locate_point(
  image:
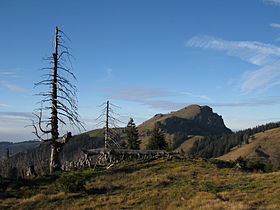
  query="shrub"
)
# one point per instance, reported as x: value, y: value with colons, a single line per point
x: 3, y: 186
x: 259, y: 165
x: 222, y: 163
x: 71, y: 182
x: 255, y: 164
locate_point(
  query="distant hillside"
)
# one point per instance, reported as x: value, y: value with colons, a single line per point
x: 39, y: 156
x: 193, y: 120
x: 187, y: 145
x: 17, y: 147
x: 264, y: 145
x: 215, y: 146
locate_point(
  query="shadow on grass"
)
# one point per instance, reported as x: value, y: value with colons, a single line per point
x: 5, y: 195
x: 164, y: 184
x: 43, y: 180
x: 24, y: 188
x: 132, y: 168
x: 103, y: 190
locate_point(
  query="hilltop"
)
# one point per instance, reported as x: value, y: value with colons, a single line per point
x: 179, y: 126
x: 264, y: 145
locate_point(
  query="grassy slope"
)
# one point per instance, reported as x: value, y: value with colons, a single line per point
x: 96, y: 133
x: 187, y: 145
x: 188, y: 113
x: 160, y: 184
x: 267, y: 142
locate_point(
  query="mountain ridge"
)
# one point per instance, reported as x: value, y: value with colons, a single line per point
x: 190, y: 120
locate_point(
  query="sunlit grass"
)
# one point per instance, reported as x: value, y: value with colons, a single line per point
x: 160, y: 184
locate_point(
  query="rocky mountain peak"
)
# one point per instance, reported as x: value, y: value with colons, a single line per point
x: 192, y: 120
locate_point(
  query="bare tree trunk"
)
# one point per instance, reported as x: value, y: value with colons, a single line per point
x: 107, y: 126
x: 54, y: 165
x: 60, y: 99
x: 54, y: 160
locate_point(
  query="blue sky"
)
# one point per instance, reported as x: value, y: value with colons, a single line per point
x: 146, y: 56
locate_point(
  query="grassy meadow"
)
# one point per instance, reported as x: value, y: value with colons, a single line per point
x: 158, y: 184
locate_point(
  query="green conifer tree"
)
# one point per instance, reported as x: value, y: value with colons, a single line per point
x: 132, y: 136
x: 157, y: 140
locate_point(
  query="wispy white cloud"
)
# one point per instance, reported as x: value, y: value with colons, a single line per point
x: 197, y: 96
x: 12, y: 126
x: 8, y: 73
x: 109, y: 73
x: 266, y: 56
x: 275, y: 25
x: 252, y: 102
x: 230, y: 81
x: 136, y: 94
x: 251, y: 51
x: 274, y: 2
x: 164, y: 104
x: 154, y: 98
x: 157, y: 98
x: 26, y: 115
x: 169, y: 105
x: 12, y: 86
x: 140, y: 94
x: 261, y: 79
x: 4, y: 105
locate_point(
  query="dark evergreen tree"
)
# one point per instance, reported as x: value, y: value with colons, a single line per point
x: 132, y: 136
x: 214, y: 146
x: 157, y: 140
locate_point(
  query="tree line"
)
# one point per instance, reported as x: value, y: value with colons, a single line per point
x: 156, y: 141
x: 215, y: 146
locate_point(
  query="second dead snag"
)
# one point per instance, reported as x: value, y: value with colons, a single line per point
x: 112, y: 152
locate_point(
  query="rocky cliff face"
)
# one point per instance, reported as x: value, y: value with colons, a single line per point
x: 193, y: 120
x: 210, y: 123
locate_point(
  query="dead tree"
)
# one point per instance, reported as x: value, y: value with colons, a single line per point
x: 111, y: 129
x: 113, y: 156
x: 59, y: 101
x: 7, y: 153
x: 112, y: 152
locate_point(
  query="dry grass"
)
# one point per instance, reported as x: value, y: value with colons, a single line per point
x: 187, y: 145
x: 187, y: 113
x: 268, y: 142
x: 160, y: 184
